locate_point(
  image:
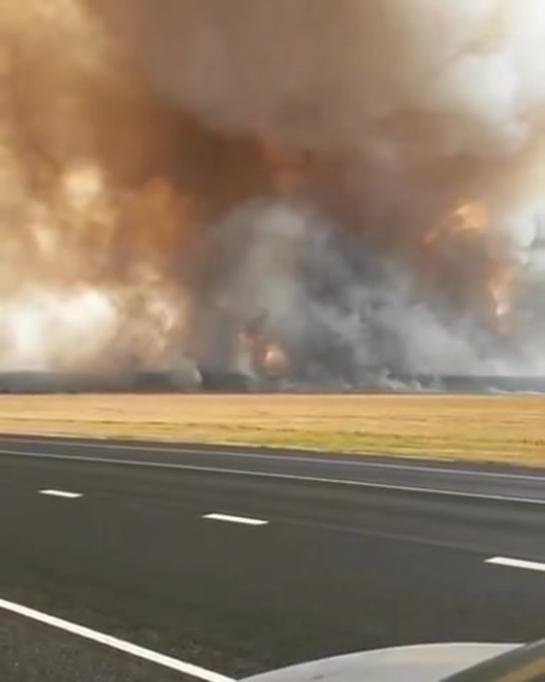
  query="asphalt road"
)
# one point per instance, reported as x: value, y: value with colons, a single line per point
x: 352, y: 554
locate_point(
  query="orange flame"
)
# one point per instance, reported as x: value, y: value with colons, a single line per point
x: 267, y: 357
x: 469, y: 216
x: 276, y: 360
x: 500, y: 287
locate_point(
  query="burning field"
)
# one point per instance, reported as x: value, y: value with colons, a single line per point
x: 304, y: 192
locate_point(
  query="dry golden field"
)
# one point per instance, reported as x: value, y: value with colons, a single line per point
x: 499, y: 428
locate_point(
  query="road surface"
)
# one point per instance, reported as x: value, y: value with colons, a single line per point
x: 244, y: 561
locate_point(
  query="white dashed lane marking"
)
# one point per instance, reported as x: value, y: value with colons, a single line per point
x: 61, y: 493
x: 236, y: 519
x: 516, y: 563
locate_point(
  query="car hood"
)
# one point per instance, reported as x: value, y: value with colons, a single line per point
x: 423, y: 663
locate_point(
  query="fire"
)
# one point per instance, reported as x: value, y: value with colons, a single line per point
x: 473, y: 217
x: 276, y: 360
x: 468, y: 216
x: 500, y: 287
x: 167, y: 175
x: 267, y: 358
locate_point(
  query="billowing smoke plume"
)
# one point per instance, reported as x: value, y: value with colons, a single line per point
x: 315, y: 190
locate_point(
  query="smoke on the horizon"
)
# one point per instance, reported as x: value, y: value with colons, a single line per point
x: 315, y: 190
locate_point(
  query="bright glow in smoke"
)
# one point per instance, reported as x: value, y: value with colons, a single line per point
x: 38, y: 323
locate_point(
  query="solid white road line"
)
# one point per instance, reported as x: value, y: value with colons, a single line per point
x: 61, y: 493
x: 516, y: 563
x: 313, y: 456
x: 115, y: 643
x: 236, y: 519
x: 289, y: 477
x: 283, y: 477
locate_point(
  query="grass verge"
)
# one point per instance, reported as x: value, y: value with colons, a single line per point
x: 508, y: 429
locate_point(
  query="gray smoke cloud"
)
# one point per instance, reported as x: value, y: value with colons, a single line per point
x: 343, y: 314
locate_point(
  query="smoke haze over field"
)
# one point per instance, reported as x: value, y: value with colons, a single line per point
x: 323, y: 191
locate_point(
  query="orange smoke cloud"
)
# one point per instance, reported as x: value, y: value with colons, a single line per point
x: 172, y: 170
x: 105, y: 189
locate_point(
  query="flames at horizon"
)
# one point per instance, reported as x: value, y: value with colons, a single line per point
x: 315, y: 191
